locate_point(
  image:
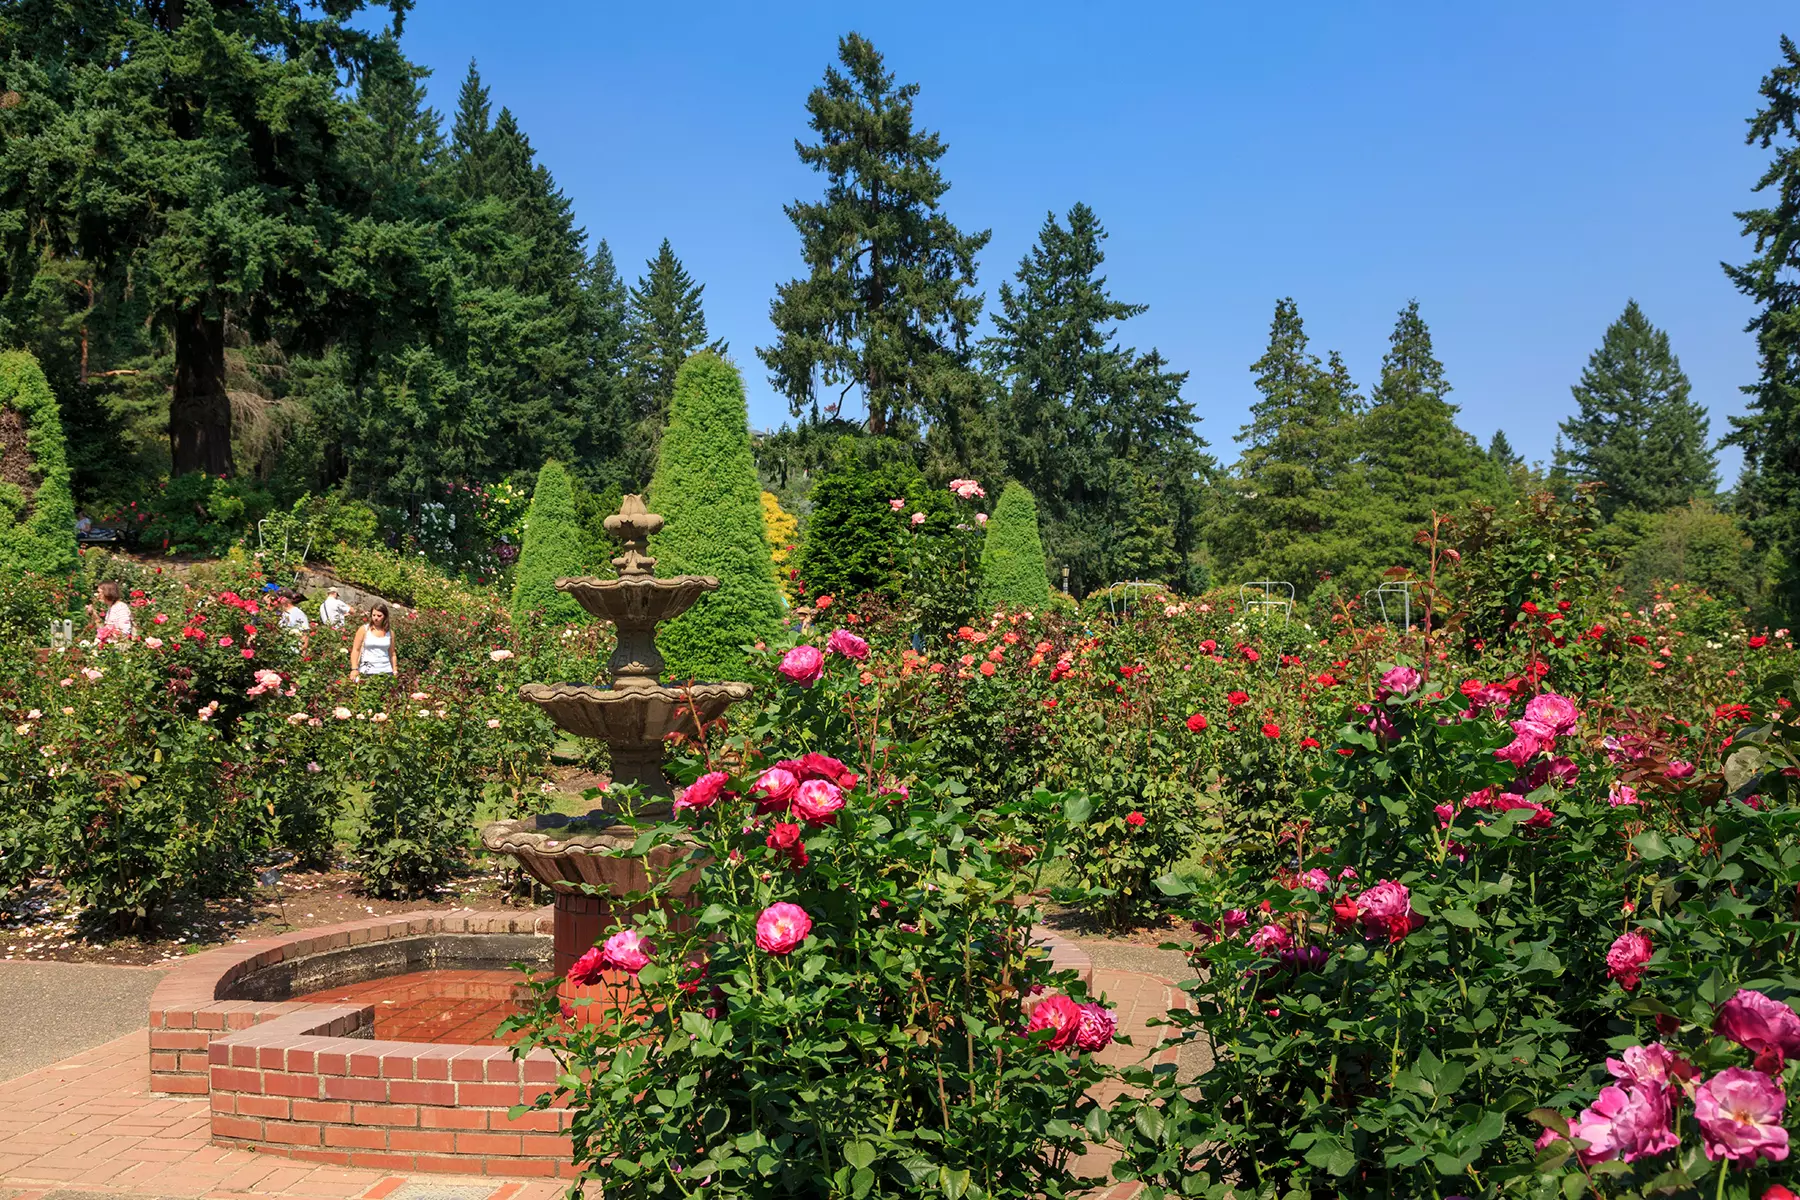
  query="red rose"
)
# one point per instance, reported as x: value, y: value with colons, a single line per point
x: 1237, y: 698
x: 1271, y: 730
x: 1196, y: 723
x: 1758, y: 642
x: 1134, y: 818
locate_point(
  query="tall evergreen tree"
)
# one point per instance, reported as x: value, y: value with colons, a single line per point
x: 196, y: 151
x: 1501, y: 451
x: 1769, y: 434
x: 1635, y: 430
x: 1419, y: 461
x: 666, y: 324
x: 889, y: 299
x: 1300, y: 507
x: 1098, y: 430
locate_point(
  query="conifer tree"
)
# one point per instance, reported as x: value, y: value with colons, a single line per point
x: 1418, y: 460
x: 206, y: 168
x: 37, y: 513
x: 1635, y: 430
x: 666, y: 324
x: 888, y: 299
x: 1014, y: 574
x: 706, y: 489
x: 1769, y: 488
x: 1085, y: 418
x: 1501, y: 451
x: 555, y: 547
x: 1300, y: 507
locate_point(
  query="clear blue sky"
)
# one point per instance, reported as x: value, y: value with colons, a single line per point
x: 1521, y: 169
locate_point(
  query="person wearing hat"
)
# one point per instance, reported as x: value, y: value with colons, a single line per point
x: 333, y: 611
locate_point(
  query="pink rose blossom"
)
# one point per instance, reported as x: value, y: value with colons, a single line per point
x: 1629, y: 1122
x: 1316, y: 879
x: 1234, y: 922
x: 627, y: 950
x: 1540, y: 816
x: 774, y: 788
x: 981, y: 518
x: 781, y: 927
x: 818, y: 801
x: 896, y: 505
x: 1098, y: 1025
x: 803, y: 665
x: 1626, y: 958
x: 1557, y: 713
x: 1059, y: 1014
x: 1739, y: 1113
x: 1679, y: 770
x: 918, y: 518
x: 1386, y: 909
x: 1654, y: 1065
x: 1402, y: 681
x: 704, y: 792
x: 843, y: 642
x: 1270, y: 940
x: 1622, y: 794
x: 1768, y: 1027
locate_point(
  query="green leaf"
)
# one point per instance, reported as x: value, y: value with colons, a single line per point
x: 859, y: 1154
x: 1650, y: 844
x: 1078, y: 808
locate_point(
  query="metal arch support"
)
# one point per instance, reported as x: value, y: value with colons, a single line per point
x: 1118, y: 602
x: 1265, y: 596
x: 1399, y: 593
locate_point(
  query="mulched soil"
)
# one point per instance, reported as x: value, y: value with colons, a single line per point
x: 1073, y: 923
x: 42, y: 925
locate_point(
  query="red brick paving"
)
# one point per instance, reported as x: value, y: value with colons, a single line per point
x: 90, y: 1122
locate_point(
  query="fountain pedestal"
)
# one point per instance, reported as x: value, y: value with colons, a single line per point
x: 632, y: 715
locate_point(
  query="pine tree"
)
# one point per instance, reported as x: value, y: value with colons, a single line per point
x: 666, y: 324
x: 1014, y: 574
x: 1635, y: 430
x: 206, y: 167
x: 1076, y: 404
x: 555, y: 547
x: 470, y: 157
x: 1501, y: 451
x: 705, y: 487
x: 1769, y: 488
x: 889, y: 297
x: 1301, y: 504
x: 603, y: 413
x: 1418, y: 460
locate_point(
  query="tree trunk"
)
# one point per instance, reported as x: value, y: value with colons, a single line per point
x: 199, y: 409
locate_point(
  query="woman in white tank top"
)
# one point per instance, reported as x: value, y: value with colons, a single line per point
x: 372, y: 650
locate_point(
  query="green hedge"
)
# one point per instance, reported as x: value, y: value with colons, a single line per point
x: 37, y: 533
x: 1013, y: 571
x: 706, y: 489
x: 403, y: 580
x: 555, y: 547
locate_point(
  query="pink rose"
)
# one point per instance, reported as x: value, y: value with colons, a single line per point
x: 1386, y: 909
x: 843, y: 642
x: 818, y: 801
x: 1757, y: 1023
x: 774, y: 788
x: 1402, y: 681
x: 1540, y: 816
x: 1679, y: 770
x: 781, y: 927
x: 1629, y: 1122
x: 587, y: 969
x: 1653, y: 1066
x: 1557, y: 713
x: 1234, y: 922
x: 918, y: 519
x: 704, y: 792
x: 627, y: 950
x: 1622, y: 794
x: 1626, y: 958
x: 1098, y: 1025
x: 1270, y: 940
x: 803, y: 665
x: 813, y: 765
x: 1739, y: 1112
x: 1059, y: 1014
x: 1316, y: 879
x: 896, y: 505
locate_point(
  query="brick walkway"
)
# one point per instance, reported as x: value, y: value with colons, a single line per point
x: 90, y: 1124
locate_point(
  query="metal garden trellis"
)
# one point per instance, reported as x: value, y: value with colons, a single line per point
x: 1266, y: 596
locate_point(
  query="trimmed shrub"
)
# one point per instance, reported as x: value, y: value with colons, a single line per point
x: 1013, y: 572
x: 37, y: 508
x: 706, y: 489
x: 555, y: 547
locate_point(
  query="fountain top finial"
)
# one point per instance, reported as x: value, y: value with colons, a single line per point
x: 632, y: 525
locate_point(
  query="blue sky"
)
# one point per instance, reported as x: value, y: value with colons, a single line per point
x: 1521, y: 169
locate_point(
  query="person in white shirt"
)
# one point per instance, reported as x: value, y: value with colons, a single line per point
x: 333, y: 611
x: 292, y: 615
x: 110, y: 611
x: 372, y: 650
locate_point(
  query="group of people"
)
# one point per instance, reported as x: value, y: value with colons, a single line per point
x: 371, y: 649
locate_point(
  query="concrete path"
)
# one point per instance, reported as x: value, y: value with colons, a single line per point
x: 58, y: 1009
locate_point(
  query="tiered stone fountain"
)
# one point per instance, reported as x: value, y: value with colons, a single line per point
x: 632, y: 714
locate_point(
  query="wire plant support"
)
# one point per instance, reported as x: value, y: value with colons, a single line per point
x: 1393, y: 599
x: 1267, y: 596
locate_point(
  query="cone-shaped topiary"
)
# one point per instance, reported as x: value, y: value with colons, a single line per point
x: 1013, y: 572
x: 555, y: 547
x: 706, y: 489
x: 37, y: 508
